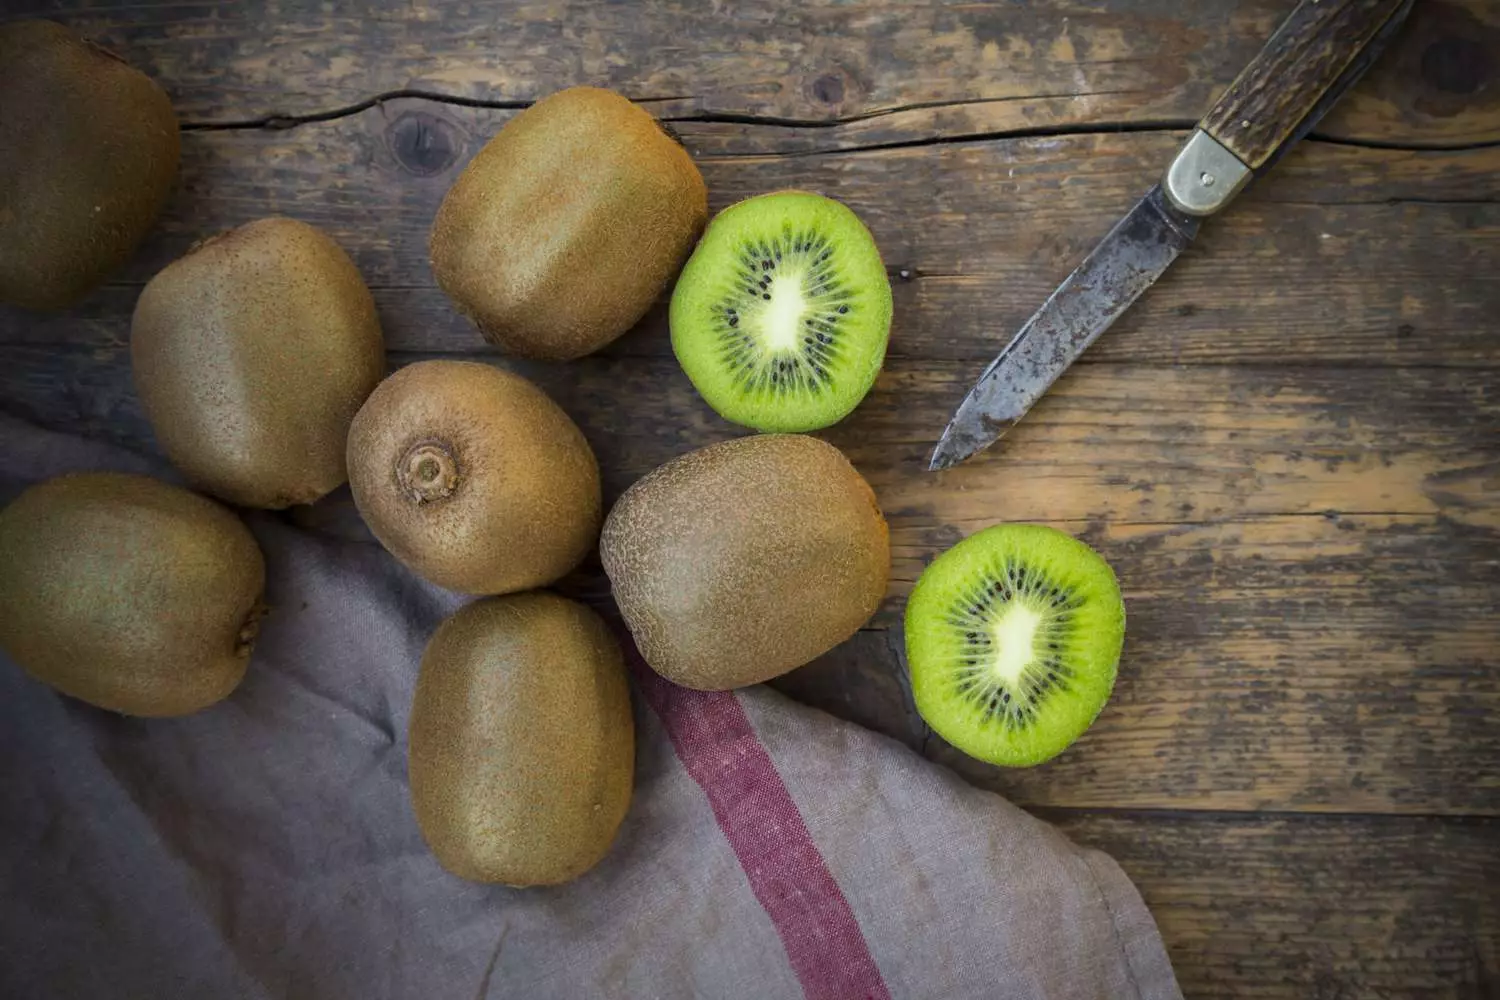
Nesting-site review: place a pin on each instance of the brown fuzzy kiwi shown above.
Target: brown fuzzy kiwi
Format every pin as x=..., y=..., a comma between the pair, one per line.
x=522, y=745
x=251, y=356
x=743, y=560
x=88, y=154
x=128, y=593
x=567, y=225
x=474, y=478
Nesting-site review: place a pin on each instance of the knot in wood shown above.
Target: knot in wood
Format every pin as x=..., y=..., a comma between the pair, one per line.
x=424, y=144
x=1456, y=65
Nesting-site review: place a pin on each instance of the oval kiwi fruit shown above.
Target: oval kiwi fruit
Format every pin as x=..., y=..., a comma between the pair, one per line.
x=128, y=593
x=1012, y=639
x=88, y=155
x=782, y=315
x=567, y=225
x=521, y=741
x=251, y=356
x=745, y=559
x=474, y=478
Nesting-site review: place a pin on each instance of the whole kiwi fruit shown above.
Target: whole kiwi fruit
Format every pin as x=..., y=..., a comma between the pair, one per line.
x=474, y=478
x=88, y=154
x=128, y=593
x=521, y=741
x=566, y=226
x=740, y=561
x=251, y=355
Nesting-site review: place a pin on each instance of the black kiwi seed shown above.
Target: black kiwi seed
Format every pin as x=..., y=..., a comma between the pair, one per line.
x=761, y=262
x=1016, y=705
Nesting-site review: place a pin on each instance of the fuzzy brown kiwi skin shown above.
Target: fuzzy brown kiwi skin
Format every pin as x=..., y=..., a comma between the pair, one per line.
x=743, y=560
x=251, y=355
x=567, y=226
x=128, y=593
x=473, y=478
x=88, y=154
x=522, y=743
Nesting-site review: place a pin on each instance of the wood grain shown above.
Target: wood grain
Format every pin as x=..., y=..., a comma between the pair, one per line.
x=1310, y=560
x=944, y=69
x=1110, y=444
x=1314, y=908
x=1343, y=255
x=1317, y=664
x=1290, y=448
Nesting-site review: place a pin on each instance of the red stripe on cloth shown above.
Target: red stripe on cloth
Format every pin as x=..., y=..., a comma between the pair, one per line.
x=718, y=747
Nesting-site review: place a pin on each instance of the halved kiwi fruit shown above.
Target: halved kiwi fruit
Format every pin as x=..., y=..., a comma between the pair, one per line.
x=782, y=315
x=1012, y=640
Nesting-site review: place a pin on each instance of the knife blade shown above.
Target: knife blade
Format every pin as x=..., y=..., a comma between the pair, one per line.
x=1318, y=53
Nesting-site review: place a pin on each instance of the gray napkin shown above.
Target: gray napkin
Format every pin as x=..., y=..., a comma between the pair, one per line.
x=266, y=847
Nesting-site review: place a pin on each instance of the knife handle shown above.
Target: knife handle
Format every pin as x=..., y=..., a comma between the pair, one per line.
x=1319, y=51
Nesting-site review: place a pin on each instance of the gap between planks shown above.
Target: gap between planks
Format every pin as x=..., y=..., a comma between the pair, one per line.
x=281, y=122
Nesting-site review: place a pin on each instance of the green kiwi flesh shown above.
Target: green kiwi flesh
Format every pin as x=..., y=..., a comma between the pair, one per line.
x=1012, y=639
x=782, y=315
x=521, y=740
x=127, y=593
x=88, y=154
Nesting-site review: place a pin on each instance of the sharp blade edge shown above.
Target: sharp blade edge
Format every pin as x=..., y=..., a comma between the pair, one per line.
x=1126, y=262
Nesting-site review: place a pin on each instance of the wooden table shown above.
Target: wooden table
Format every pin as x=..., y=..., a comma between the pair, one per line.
x=1290, y=449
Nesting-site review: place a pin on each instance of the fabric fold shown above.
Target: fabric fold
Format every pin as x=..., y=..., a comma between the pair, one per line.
x=266, y=847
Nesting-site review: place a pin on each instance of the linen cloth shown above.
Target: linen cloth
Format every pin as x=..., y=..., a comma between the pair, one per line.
x=266, y=847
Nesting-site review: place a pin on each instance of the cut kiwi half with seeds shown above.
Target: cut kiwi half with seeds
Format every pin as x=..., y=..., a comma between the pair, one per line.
x=781, y=317
x=1012, y=639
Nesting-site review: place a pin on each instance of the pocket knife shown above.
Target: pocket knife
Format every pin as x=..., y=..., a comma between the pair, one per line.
x=1315, y=56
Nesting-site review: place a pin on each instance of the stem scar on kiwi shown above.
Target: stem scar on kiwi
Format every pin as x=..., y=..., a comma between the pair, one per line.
x=1013, y=638
x=782, y=316
x=244, y=642
x=429, y=471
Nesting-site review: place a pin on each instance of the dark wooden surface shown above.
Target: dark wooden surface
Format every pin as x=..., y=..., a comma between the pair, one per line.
x=1290, y=449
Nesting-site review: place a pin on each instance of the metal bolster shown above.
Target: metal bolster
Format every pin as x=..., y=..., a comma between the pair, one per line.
x=1204, y=177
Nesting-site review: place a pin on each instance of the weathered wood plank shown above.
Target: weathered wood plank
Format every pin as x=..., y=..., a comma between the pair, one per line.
x=1279, y=657
x=1311, y=560
x=987, y=67
x=937, y=208
x=1315, y=908
x=1343, y=256
x=1110, y=444
x=1316, y=664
